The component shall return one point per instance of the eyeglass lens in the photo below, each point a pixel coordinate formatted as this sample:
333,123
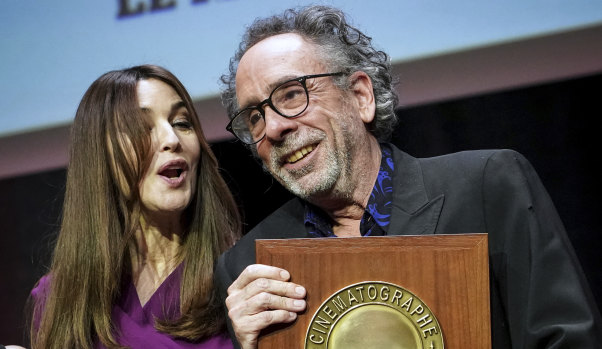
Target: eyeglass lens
289,100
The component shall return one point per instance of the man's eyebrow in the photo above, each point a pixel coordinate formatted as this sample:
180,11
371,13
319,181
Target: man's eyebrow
271,88
282,80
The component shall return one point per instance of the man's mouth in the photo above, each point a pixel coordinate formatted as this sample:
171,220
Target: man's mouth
300,154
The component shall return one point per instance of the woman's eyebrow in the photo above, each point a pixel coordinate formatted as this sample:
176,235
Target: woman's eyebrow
177,105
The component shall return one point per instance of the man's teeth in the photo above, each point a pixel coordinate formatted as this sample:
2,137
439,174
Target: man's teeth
299,154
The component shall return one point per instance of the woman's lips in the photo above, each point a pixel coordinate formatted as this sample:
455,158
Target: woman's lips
174,172
175,181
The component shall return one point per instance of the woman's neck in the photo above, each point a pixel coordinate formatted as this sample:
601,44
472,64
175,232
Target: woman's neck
155,253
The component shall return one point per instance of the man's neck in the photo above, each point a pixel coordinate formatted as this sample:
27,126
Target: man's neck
347,209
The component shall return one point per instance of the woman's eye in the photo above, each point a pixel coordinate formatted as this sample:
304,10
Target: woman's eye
183,124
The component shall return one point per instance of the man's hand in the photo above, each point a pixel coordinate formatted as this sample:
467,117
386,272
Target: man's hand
262,296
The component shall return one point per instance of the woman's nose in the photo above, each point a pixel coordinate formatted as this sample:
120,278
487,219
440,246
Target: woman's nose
167,138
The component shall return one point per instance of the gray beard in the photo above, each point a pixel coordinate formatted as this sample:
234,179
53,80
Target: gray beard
333,179
323,184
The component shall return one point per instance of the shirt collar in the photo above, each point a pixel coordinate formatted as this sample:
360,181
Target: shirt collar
378,211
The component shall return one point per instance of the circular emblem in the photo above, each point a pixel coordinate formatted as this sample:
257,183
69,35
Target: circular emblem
373,314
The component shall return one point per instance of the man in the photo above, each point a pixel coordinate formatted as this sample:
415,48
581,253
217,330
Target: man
314,101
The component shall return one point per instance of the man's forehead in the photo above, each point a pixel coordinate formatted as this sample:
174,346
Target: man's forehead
281,43
272,61
282,51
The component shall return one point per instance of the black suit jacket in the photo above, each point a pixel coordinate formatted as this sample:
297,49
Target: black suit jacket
539,295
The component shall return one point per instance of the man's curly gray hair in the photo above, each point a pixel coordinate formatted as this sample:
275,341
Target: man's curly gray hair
342,48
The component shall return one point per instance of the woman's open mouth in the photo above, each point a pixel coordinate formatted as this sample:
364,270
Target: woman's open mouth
174,172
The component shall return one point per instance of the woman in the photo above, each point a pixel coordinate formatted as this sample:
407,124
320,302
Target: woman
146,214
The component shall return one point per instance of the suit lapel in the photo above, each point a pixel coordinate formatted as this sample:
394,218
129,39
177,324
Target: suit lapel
289,221
412,212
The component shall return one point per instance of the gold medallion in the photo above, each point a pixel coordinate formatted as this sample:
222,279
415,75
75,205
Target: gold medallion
374,314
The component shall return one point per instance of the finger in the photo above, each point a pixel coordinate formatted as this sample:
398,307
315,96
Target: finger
276,287
263,286
264,294
247,331
265,302
255,271
264,319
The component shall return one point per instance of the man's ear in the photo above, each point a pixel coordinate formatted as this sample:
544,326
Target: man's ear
361,86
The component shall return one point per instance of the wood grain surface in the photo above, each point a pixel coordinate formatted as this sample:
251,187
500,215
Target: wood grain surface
449,273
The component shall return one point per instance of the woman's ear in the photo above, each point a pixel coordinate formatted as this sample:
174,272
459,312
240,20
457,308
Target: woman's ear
361,86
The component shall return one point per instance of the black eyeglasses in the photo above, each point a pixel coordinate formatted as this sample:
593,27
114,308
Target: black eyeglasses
288,99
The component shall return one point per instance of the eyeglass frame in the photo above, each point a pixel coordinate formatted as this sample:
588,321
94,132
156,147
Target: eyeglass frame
259,106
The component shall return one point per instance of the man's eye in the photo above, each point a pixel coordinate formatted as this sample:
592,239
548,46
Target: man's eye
254,118
289,96
293,93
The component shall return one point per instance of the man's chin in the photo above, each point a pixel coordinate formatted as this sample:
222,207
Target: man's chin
295,186
306,188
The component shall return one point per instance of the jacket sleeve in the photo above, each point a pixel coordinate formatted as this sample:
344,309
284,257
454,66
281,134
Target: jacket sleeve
544,293
223,280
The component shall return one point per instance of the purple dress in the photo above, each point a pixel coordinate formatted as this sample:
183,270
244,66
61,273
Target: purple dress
135,323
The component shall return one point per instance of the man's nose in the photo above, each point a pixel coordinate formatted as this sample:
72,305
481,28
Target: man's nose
278,126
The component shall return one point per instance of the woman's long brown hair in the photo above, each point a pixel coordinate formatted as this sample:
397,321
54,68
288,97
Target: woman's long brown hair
100,216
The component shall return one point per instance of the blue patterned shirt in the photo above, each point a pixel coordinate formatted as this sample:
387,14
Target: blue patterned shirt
378,211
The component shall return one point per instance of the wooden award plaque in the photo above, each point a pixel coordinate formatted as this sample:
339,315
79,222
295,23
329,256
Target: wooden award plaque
433,289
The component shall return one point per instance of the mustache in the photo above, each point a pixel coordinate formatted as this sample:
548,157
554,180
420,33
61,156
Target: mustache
294,142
